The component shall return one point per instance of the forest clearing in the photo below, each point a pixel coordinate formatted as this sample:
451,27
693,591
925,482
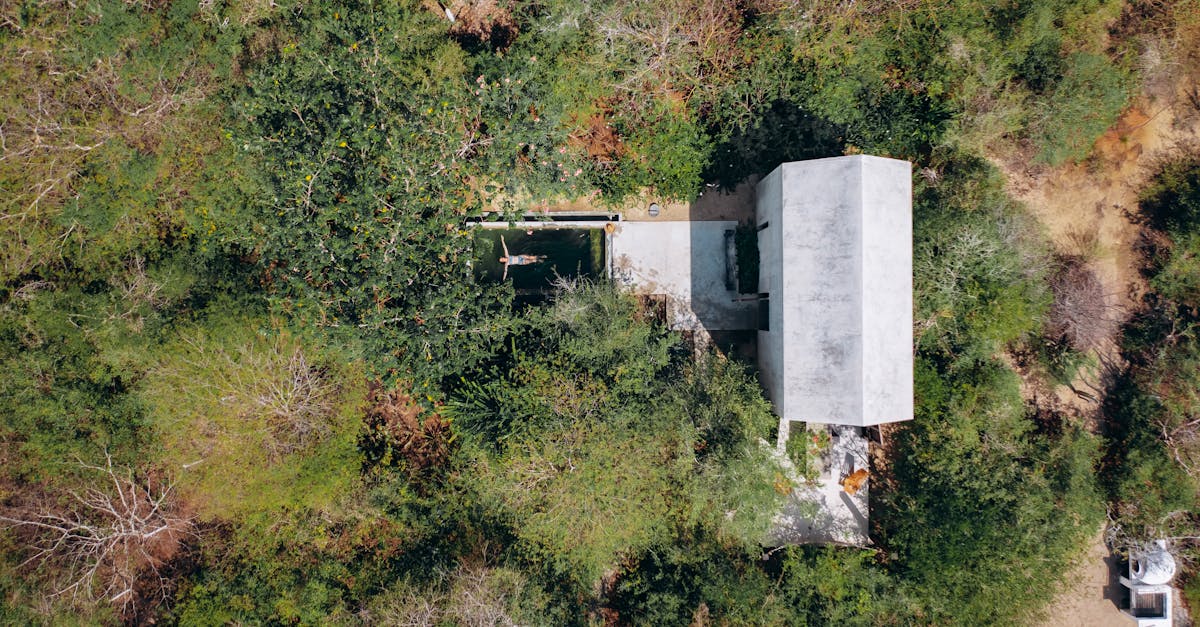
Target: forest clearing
308,311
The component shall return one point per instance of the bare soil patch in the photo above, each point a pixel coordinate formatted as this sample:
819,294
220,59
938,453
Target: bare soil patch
1093,592
1088,212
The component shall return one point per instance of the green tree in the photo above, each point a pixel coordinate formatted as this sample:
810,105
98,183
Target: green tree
355,125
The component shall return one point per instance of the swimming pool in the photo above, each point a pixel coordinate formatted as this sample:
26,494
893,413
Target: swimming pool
569,252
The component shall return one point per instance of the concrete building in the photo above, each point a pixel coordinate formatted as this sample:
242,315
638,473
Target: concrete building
835,282
833,314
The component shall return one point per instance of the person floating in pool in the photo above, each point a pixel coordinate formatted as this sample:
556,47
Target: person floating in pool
510,259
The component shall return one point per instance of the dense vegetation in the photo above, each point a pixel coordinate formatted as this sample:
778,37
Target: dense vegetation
247,376
1155,478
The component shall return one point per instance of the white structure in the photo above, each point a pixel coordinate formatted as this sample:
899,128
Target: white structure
835,283
833,313
1150,593
687,263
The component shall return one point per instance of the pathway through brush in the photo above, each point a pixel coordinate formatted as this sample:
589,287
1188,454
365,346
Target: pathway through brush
1087,210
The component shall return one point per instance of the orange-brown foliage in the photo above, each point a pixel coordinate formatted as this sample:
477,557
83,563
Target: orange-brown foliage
596,137
401,434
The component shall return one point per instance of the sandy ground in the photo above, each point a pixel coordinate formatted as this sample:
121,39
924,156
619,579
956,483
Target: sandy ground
1085,207
1092,592
686,261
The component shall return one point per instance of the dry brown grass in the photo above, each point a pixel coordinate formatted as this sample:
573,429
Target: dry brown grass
479,21
595,136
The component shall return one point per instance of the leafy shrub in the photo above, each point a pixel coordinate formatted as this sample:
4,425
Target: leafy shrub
601,443
368,177
807,448
975,485
1191,592
471,594
587,494
1171,202
1042,66
667,153
1156,448
1087,101
695,580
746,243
976,263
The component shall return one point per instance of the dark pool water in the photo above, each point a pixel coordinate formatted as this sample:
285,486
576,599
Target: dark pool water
570,252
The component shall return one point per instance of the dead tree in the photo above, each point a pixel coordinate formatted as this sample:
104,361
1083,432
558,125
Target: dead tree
1082,313
108,540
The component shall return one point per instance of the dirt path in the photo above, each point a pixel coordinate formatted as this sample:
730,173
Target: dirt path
1086,209
1092,592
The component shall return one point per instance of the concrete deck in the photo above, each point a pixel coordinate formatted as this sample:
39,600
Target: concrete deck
685,261
822,512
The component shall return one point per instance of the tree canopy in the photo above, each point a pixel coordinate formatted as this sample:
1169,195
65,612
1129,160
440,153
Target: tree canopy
237,282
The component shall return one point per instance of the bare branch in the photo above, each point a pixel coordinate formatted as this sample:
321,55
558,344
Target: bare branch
111,539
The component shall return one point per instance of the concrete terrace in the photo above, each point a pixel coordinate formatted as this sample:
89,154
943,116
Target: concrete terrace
686,262
680,254
822,512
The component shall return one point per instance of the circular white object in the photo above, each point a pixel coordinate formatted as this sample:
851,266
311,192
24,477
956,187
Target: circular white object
1155,566
654,209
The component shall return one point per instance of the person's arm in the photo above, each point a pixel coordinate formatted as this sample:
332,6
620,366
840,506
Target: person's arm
505,276
502,243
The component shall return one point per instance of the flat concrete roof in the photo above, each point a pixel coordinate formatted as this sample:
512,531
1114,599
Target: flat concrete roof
835,247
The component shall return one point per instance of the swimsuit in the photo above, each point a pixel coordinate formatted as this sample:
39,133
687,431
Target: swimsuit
520,260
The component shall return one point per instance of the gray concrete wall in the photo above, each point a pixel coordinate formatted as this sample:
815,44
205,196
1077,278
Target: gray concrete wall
887,291
769,209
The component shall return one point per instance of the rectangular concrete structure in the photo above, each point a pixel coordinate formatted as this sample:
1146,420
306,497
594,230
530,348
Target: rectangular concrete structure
686,262
835,266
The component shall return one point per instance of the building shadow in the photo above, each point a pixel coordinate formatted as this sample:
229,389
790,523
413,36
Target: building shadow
783,132
726,318
1113,590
